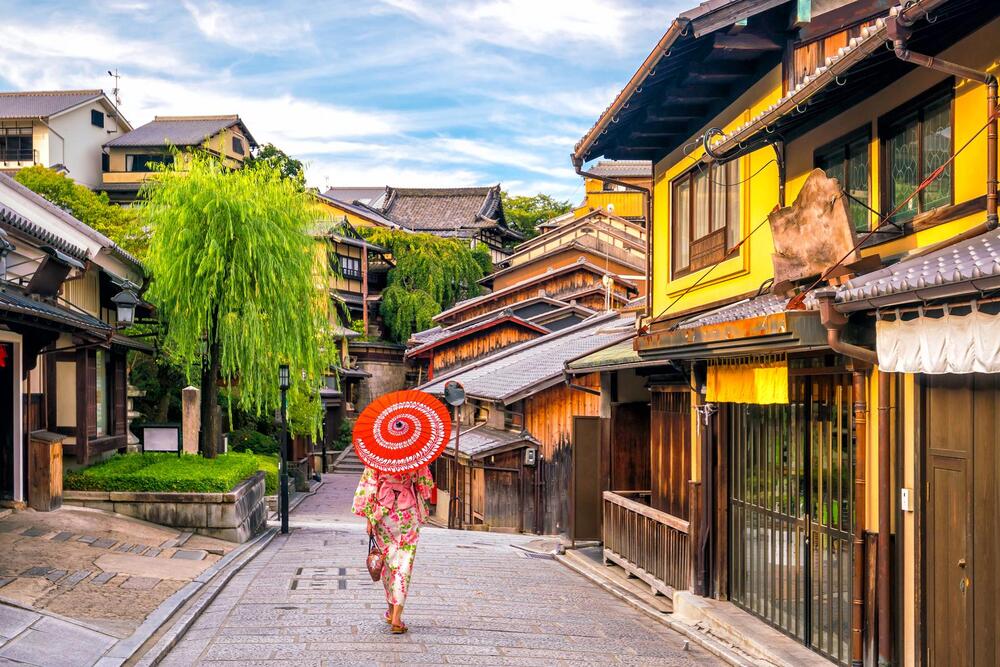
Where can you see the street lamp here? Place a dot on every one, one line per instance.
(283, 384)
(125, 302)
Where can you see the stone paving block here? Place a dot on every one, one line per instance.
(138, 549)
(5, 580)
(187, 554)
(55, 643)
(14, 620)
(103, 578)
(56, 575)
(8, 527)
(75, 578)
(36, 531)
(140, 583)
(86, 539)
(61, 536)
(36, 572)
(153, 552)
(124, 546)
(104, 543)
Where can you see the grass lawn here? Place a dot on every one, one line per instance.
(166, 472)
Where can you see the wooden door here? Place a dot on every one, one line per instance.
(961, 523)
(8, 435)
(585, 517)
(629, 447)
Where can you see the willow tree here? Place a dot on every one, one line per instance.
(430, 274)
(239, 279)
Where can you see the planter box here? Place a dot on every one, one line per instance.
(235, 516)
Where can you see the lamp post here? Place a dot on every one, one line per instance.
(283, 384)
(454, 395)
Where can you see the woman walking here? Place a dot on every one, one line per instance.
(395, 505)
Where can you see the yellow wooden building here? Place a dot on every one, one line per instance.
(824, 195)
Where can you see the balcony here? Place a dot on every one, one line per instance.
(19, 156)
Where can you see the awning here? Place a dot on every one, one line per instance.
(17, 306)
(132, 344)
(619, 356)
(482, 441)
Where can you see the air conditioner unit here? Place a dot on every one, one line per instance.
(530, 456)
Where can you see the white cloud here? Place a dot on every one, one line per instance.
(357, 173)
(249, 29)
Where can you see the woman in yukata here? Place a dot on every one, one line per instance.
(395, 506)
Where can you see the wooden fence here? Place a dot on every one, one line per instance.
(649, 544)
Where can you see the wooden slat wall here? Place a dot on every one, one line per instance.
(548, 415)
(670, 451)
(119, 389)
(478, 345)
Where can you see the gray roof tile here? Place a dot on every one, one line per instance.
(42, 104)
(623, 169)
(482, 439)
(767, 304)
(179, 131)
(530, 367)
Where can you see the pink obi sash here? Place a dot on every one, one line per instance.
(395, 492)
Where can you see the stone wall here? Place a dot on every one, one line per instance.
(235, 516)
(385, 377)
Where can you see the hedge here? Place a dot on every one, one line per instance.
(159, 472)
(269, 464)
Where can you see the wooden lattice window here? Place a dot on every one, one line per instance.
(705, 204)
(847, 160)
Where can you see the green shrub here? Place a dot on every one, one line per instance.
(345, 437)
(249, 440)
(269, 464)
(159, 472)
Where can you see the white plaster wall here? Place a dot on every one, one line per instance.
(81, 147)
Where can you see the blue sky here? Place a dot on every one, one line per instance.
(370, 92)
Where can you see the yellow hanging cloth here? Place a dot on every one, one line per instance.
(752, 383)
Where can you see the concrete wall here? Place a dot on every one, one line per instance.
(235, 516)
(82, 148)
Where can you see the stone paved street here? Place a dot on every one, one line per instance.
(475, 600)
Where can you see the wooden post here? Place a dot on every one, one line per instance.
(45, 471)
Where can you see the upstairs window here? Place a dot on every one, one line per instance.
(96, 118)
(847, 160)
(238, 146)
(705, 205)
(350, 267)
(917, 139)
(144, 163)
(16, 144)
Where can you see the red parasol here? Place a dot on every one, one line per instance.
(402, 431)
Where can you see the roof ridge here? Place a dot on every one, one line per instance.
(50, 93)
(208, 117)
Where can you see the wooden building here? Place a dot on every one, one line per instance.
(521, 389)
(63, 364)
(623, 194)
(800, 463)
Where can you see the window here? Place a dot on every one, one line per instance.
(706, 215)
(105, 162)
(102, 393)
(16, 144)
(914, 145)
(238, 146)
(143, 163)
(350, 267)
(613, 187)
(96, 118)
(847, 160)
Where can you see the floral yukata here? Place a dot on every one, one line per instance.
(396, 505)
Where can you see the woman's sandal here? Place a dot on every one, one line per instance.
(400, 629)
(387, 618)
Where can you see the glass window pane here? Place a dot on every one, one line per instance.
(936, 131)
(734, 231)
(682, 237)
(102, 394)
(719, 188)
(701, 204)
(903, 170)
(858, 176)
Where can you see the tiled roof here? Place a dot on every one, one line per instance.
(767, 304)
(42, 104)
(445, 209)
(482, 439)
(486, 298)
(464, 329)
(359, 209)
(623, 169)
(530, 367)
(40, 234)
(963, 269)
(180, 131)
(365, 195)
(14, 300)
(618, 355)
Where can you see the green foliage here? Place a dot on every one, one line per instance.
(345, 436)
(525, 213)
(269, 464)
(241, 282)
(161, 384)
(121, 225)
(275, 158)
(159, 472)
(430, 275)
(249, 440)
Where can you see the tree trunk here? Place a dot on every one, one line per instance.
(211, 428)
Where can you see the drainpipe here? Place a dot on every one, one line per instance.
(860, 378)
(648, 192)
(834, 321)
(898, 28)
(883, 583)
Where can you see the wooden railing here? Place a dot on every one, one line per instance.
(649, 544)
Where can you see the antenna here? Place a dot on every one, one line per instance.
(116, 91)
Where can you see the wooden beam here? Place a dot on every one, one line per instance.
(744, 43)
(675, 113)
(731, 13)
(717, 71)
